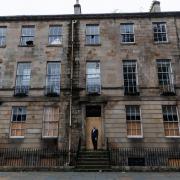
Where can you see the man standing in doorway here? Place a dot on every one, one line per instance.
(94, 137)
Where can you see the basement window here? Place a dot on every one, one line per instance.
(18, 120)
(3, 36)
(133, 120)
(27, 36)
(55, 35)
(92, 34)
(50, 122)
(171, 121)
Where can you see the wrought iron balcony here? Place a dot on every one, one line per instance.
(21, 90)
(131, 90)
(167, 90)
(93, 85)
(52, 90)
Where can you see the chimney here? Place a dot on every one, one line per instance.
(155, 7)
(77, 8)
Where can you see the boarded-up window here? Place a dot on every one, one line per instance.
(171, 122)
(51, 121)
(133, 120)
(18, 121)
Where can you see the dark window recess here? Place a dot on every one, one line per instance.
(93, 111)
(136, 161)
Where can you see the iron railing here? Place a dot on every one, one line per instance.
(21, 90)
(131, 90)
(93, 84)
(167, 89)
(52, 90)
(35, 158)
(149, 157)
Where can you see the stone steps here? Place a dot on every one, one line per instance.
(93, 161)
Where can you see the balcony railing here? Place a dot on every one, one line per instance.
(52, 90)
(21, 90)
(93, 85)
(131, 90)
(167, 90)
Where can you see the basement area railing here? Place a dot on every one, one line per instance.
(35, 158)
(148, 157)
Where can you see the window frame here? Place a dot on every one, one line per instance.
(98, 78)
(178, 122)
(43, 123)
(140, 113)
(60, 36)
(27, 36)
(126, 33)
(11, 122)
(17, 75)
(166, 32)
(3, 36)
(59, 75)
(136, 74)
(170, 75)
(89, 42)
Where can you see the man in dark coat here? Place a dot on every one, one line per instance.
(94, 137)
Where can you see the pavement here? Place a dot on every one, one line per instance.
(89, 176)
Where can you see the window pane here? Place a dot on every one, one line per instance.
(3, 36)
(171, 122)
(55, 34)
(18, 121)
(92, 34)
(160, 34)
(27, 35)
(50, 123)
(93, 81)
(127, 32)
(53, 78)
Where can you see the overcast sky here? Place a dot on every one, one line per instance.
(37, 7)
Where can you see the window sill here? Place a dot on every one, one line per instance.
(172, 137)
(135, 137)
(163, 42)
(92, 44)
(3, 46)
(49, 137)
(17, 137)
(26, 46)
(128, 43)
(54, 45)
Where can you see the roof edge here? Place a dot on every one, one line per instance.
(90, 16)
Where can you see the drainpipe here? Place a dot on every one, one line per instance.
(71, 87)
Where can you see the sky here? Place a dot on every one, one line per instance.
(48, 7)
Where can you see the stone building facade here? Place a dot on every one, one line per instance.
(61, 75)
